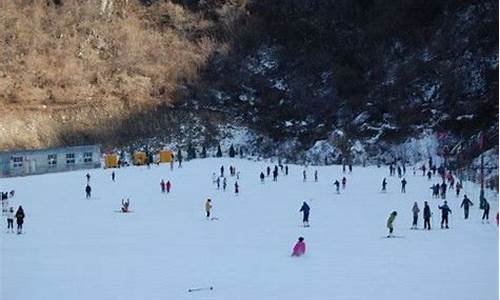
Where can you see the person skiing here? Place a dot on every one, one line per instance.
(218, 182)
(168, 185)
(222, 171)
(399, 172)
(20, 219)
(445, 210)
(304, 175)
(172, 164)
(466, 203)
(429, 175)
(390, 222)
(384, 185)
(415, 210)
(236, 188)
(337, 186)
(344, 181)
(443, 190)
(403, 186)
(208, 207)
(286, 170)
(458, 188)
(497, 218)
(113, 176)
(268, 171)
(10, 220)
(300, 248)
(5, 203)
(275, 175)
(162, 185)
(125, 205)
(391, 169)
(486, 211)
(262, 176)
(88, 177)
(350, 168)
(88, 189)
(315, 175)
(427, 216)
(224, 184)
(305, 210)
(423, 170)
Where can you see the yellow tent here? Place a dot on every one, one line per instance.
(165, 156)
(140, 158)
(111, 160)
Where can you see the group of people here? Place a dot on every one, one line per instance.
(165, 186)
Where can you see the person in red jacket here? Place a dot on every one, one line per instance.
(300, 248)
(168, 186)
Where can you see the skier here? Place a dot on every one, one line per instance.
(415, 210)
(5, 203)
(343, 167)
(162, 185)
(350, 168)
(305, 210)
(20, 219)
(224, 184)
(423, 170)
(113, 176)
(315, 175)
(10, 220)
(486, 211)
(390, 222)
(337, 186)
(88, 177)
(208, 207)
(429, 174)
(391, 170)
(125, 205)
(262, 176)
(88, 189)
(275, 175)
(466, 203)
(268, 171)
(344, 181)
(300, 248)
(238, 175)
(445, 210)
(403, 186)
(399, 172)
(427, 216)
(458, 188)
(384, 185)
(236, 188)
(218, 182)
(222, 171)
(168, 185)
(172, 164)
(304, 176)
(497, 218)
(443, 190)
(286, 170)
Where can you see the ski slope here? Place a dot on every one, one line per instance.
(75, 248)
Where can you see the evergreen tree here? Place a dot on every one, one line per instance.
(232, 153)
(219, 151)
(203, 152)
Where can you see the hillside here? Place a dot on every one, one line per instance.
(120, 72)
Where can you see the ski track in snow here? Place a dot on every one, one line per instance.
(82, 249)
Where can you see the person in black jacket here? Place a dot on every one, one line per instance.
(403, 186)
(20, 219)
(445, 210)
(88, 189)
(384, 185)
(466, 203)
(305, 210)
(486, 210)
(427, 216)
(262, 177)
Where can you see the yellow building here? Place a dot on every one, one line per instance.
(166, 156)
(140, 158)
(111, 160)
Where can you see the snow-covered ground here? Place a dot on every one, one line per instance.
(76, 249)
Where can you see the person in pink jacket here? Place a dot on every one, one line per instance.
(300, 247)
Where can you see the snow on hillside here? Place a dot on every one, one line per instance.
(75, 248)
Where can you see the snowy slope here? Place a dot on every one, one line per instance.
(82, 249)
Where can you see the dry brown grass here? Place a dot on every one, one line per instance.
(72, 66)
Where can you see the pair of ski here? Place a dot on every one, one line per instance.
(199, 289)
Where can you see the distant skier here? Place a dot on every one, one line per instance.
(466, 203)
(305, 210)
(5, 203)
(443, 190)
(162, 186)
(300, 248)
(172, 164)
(238, 175)
(224, 184)
(113, 176)
(262, 176)
(168, 185)
(20, 219)
(236, 188)
(268, 171)
(390, 222)
(315, 175)
(423, 170)
(88, 190)
(208, 207)
(350, 168)
(343, 167)
(486, 211)
(222, 171)
(391, 170)
(427, 216)
(337, 186)
(445, 210)
(399, 171)
(403, 186)
(415, 210)
(88, 177)
(304, 175)
(218, 183)
(384, 185)
(344, 181)
(125, 205)
(275, 175)
(286, 170)
(10, 220)
(458, 188)
(429, 175)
